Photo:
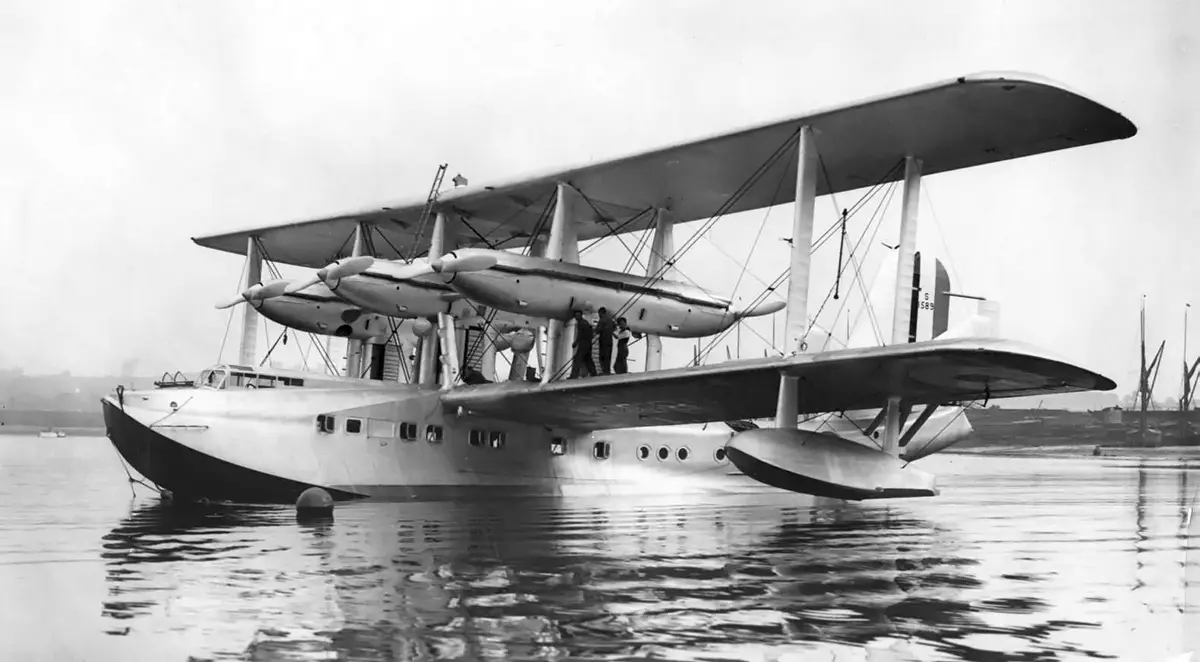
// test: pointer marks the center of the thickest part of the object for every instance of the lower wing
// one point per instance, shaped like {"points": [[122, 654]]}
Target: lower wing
{"points": [[936, 372]]}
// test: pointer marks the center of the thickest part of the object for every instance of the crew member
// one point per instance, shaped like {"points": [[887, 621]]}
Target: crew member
{"points": [[583, 347], [621, 365], [605, 330]]}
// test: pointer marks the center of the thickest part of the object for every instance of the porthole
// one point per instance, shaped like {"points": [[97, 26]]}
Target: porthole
{"points": [[683, 454], [643, 452], [719, 454], [664, 452]]}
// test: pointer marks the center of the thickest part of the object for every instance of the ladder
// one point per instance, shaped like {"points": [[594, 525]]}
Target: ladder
{"points": [[429, 202]]}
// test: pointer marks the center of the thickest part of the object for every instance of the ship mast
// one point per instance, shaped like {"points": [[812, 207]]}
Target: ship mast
{"points": [[1147, 375]]}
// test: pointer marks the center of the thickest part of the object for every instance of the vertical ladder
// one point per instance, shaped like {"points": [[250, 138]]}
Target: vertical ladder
{"points": [[429, 201], [474, 345], [392, 356]]}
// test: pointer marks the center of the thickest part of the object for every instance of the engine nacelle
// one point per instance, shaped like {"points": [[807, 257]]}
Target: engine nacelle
{"points": [[825, 465]]}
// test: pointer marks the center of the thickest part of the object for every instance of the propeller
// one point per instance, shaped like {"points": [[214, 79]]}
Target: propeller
{"points": [[450, 263], [350, 266], [257, 292]]}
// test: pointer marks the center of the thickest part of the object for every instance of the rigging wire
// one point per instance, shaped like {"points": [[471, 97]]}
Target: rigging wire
{"points": [[940, 232], [762, 226], [876, 220], [829, 233], [274, 271], [232, 310], [721, 211]]}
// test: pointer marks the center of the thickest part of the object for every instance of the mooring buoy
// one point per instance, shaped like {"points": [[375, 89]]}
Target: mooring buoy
{"points": [[314, 503]]}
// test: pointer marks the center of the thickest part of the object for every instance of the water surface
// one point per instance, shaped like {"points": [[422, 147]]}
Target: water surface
{"points": [[1019, 559]]}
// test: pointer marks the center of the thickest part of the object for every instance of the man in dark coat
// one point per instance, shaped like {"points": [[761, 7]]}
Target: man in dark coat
{"points": [[605, 330], [583, 347]]}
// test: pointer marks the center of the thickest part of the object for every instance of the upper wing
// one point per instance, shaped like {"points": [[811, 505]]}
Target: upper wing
{"points": [[950, 125], [934, 372]]}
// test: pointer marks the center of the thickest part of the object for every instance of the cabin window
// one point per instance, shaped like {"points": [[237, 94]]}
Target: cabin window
{"points": [[497, 439], [433, 434], [326, 422], [263, 381], [353, 426], [558, 446], [664, 452], [381, 429], [477, 438], [682, 454], [643, 452], [601, 450], [719, 454], [408, 431], [237, 380]]}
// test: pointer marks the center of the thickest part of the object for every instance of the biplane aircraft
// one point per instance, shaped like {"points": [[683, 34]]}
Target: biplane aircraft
{"points": [[662, 430]]}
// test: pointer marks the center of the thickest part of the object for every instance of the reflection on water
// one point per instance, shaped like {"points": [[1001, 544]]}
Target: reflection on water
{"points": [[1021, 558]]}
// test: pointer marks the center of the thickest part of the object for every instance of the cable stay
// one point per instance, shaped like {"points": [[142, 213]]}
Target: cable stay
{"points": [[875, 219], [837, 283], [330, 366]]}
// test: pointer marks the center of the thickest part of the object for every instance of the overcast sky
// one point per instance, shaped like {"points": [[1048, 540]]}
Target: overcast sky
{"points": [[131, 127]]}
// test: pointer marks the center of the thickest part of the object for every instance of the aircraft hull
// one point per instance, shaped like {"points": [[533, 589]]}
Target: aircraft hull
{"points": [[217, 449], [265, 446]]}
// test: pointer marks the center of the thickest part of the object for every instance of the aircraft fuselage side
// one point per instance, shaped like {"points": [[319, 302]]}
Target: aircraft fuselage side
{"points": [[389, 441]]}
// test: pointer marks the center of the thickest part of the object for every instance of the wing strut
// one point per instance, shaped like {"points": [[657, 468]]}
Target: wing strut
{"points": [[796, 327], [901, 311]]}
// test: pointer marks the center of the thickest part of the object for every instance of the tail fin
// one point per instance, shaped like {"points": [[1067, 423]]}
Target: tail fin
{"points": [[930, 300]]}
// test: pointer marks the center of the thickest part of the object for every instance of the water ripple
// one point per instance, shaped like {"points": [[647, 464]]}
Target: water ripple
{"points": [[1020, 559]]}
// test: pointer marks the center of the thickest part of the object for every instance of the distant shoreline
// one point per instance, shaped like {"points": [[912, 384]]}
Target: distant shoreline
{"points": [[33, 430]]}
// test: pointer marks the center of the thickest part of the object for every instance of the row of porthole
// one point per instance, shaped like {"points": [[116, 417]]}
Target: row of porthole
{"points": [[681, 454]]}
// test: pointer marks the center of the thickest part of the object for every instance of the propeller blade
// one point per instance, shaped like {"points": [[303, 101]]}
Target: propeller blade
{"points": [[231, 303], [272, 289], [298, 285], [351, 266], [764, 308]]}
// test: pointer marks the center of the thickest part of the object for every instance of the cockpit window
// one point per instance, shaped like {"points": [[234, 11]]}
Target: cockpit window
{"points": [[212, 379]]}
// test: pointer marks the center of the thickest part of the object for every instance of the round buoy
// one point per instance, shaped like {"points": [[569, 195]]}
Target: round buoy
{"points": [[314, 503]]}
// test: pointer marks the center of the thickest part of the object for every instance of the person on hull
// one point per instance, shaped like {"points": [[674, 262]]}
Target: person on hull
{"points": [[583, 348], [605, 331]]}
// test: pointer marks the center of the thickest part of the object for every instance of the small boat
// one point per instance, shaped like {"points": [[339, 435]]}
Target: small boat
{"points": [[51, 434]]}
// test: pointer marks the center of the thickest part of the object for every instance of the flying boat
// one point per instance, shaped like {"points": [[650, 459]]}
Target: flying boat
{"points": [[846, 422]]}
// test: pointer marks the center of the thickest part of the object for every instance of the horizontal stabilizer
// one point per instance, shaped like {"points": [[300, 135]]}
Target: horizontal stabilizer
{"points": [[932, 372], [825, 465]]}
